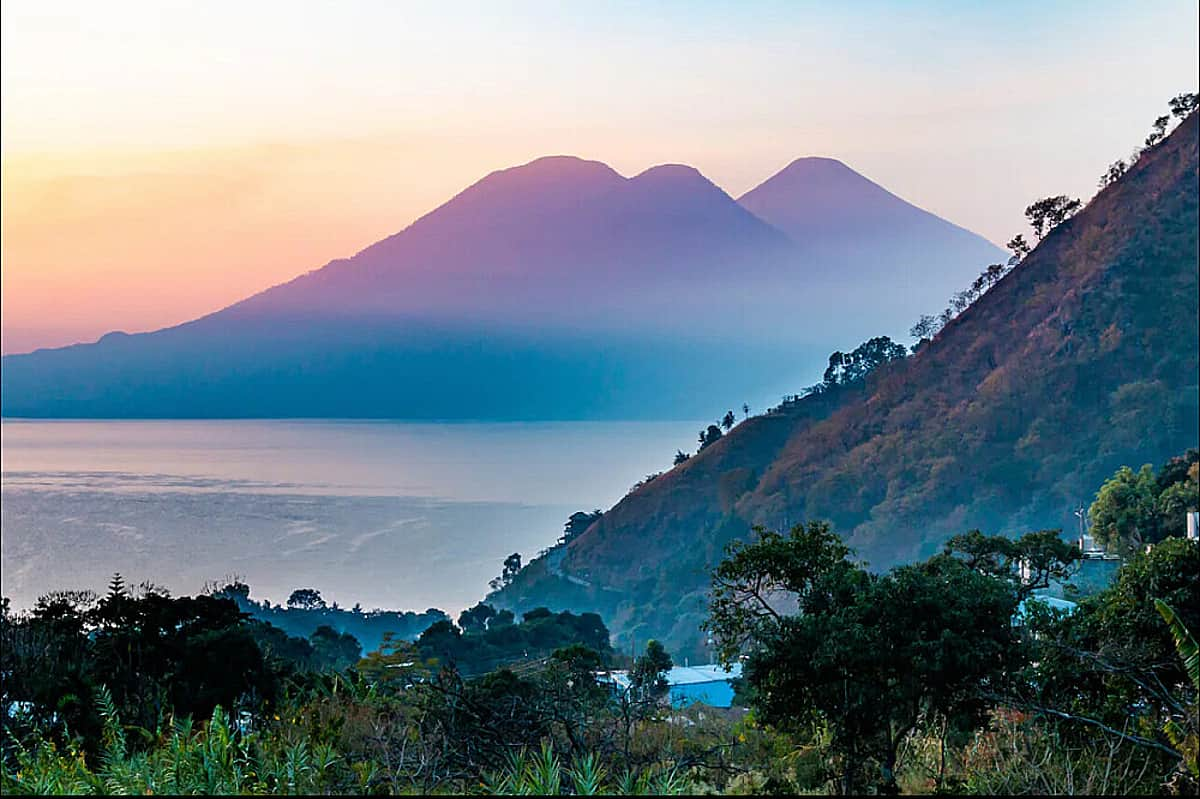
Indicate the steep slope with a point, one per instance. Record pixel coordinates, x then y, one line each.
554 290
839 217
1083 358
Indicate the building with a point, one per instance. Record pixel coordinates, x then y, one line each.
1056 603
710 684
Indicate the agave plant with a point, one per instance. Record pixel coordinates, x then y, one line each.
587 775
214 759
542 775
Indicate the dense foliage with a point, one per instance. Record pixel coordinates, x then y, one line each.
942 649
1137 508
926 678
306 611
487 639
944 675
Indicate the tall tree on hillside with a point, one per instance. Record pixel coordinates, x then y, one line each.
709 436
577 523
852 367
728 420
1050 212
1158 131
925 329
1115 170
1019 249
512 567
1183 104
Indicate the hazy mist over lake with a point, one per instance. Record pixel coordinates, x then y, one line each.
386 514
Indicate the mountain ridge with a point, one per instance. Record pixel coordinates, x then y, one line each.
560 267
1080 360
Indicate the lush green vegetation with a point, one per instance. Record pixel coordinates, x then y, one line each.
926 678
881 665
1137 508
487 639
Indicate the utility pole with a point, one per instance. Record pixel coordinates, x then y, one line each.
1081 513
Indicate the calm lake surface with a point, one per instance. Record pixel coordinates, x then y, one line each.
388 514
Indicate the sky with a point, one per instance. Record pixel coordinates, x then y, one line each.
162 160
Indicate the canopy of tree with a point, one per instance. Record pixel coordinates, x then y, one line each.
1137 508
489 639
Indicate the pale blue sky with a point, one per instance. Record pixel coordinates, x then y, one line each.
364 115
1040 95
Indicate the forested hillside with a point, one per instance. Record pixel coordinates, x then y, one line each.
1082 358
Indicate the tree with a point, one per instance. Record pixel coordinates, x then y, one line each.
577 523
728 420
1123 516
869 656
1136 508
754 582
1178 469
1175 502
333 650
853 367
475 619
1183 104
306 599
647 678
1178 484
1019 248
1159 130
680 457
925 329
1050 212
710 436
745 410
1115 170
512 567
650 478
1030 562
1110 667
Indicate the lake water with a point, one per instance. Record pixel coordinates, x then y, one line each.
389 515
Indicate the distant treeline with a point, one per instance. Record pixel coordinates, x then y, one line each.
306 611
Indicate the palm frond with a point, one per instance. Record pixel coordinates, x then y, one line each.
1185 642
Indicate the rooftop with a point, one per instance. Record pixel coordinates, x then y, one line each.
684 675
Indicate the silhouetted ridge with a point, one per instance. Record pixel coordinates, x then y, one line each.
614 296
